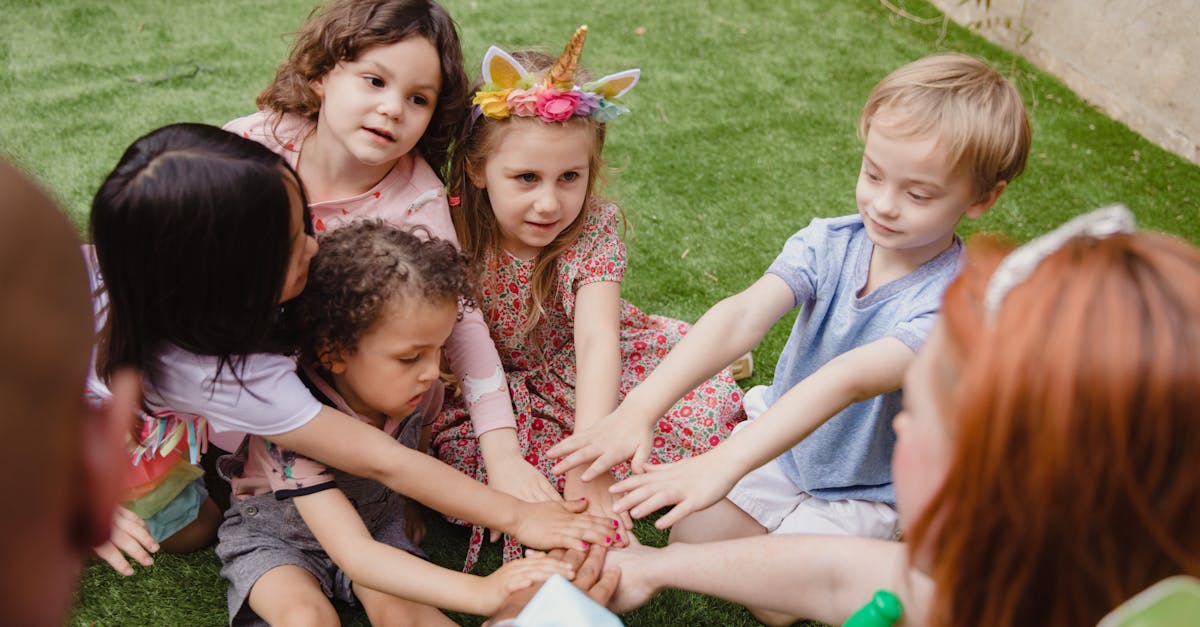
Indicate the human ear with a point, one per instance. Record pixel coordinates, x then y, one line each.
986 201
318 87
103 459
333 361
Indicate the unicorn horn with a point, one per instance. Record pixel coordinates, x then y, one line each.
562 75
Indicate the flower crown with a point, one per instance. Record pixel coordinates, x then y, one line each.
509 89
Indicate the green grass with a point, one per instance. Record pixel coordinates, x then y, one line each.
742 131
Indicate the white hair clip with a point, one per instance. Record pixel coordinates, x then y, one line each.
1020 263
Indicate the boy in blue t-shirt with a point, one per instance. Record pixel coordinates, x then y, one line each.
943 138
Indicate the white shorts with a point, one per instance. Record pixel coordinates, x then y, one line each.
771 498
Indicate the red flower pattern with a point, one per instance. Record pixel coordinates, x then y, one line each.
541 365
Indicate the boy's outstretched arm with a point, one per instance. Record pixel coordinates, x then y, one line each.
337 526
694 484
724 333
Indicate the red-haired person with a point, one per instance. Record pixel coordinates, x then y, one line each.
1045 467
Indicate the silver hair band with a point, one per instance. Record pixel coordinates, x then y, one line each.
1020 263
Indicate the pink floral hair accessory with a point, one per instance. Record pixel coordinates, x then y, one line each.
509 90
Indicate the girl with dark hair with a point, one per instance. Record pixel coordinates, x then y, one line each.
365 108
176 226
200 236
379 306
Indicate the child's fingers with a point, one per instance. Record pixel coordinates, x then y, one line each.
642 500
537 568
629 484
602 465
547 491
602 591
573 458
114 558
625 533
638 462
588 566
600 531
129 530
674 515
566 446
577 506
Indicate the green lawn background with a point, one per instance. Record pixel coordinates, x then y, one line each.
742 131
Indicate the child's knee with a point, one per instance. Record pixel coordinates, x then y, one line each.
310 611
384 609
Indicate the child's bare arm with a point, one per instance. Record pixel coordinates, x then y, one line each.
335 439
597 332
470 349
694 484
818 577
509 472
729 329
341 532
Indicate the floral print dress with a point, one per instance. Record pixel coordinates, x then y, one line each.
541 365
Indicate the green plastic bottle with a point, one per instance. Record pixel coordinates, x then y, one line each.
883 610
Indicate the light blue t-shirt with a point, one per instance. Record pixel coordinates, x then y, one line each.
826 264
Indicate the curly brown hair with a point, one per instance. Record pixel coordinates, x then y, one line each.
342 30
361 269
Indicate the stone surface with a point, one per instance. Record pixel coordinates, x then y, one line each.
1137 60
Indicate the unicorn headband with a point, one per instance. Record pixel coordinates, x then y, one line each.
510 90
1017 267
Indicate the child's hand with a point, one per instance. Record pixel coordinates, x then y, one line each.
615 438
131 537
518 478
691 485
635 586
600 503
591 576
562 524
519 575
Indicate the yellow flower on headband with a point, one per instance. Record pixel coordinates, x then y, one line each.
493 104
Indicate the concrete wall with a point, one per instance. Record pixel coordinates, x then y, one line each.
1137 60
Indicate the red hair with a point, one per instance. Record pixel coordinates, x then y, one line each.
1075 481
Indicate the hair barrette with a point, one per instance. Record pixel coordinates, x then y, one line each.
510 90
1017 267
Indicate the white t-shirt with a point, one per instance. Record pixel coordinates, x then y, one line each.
269 399
272 401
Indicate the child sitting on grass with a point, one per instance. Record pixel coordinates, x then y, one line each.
1045 462
372 321
552 262
943 138
200 237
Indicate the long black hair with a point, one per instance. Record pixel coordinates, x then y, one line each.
193 235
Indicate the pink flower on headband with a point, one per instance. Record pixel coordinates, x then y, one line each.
523 102
556 106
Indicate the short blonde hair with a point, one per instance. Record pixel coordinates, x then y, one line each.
976 114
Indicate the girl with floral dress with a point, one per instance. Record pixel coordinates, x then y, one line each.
552 260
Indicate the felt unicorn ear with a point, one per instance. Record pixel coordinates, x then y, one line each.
501 69
562 75
616 85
